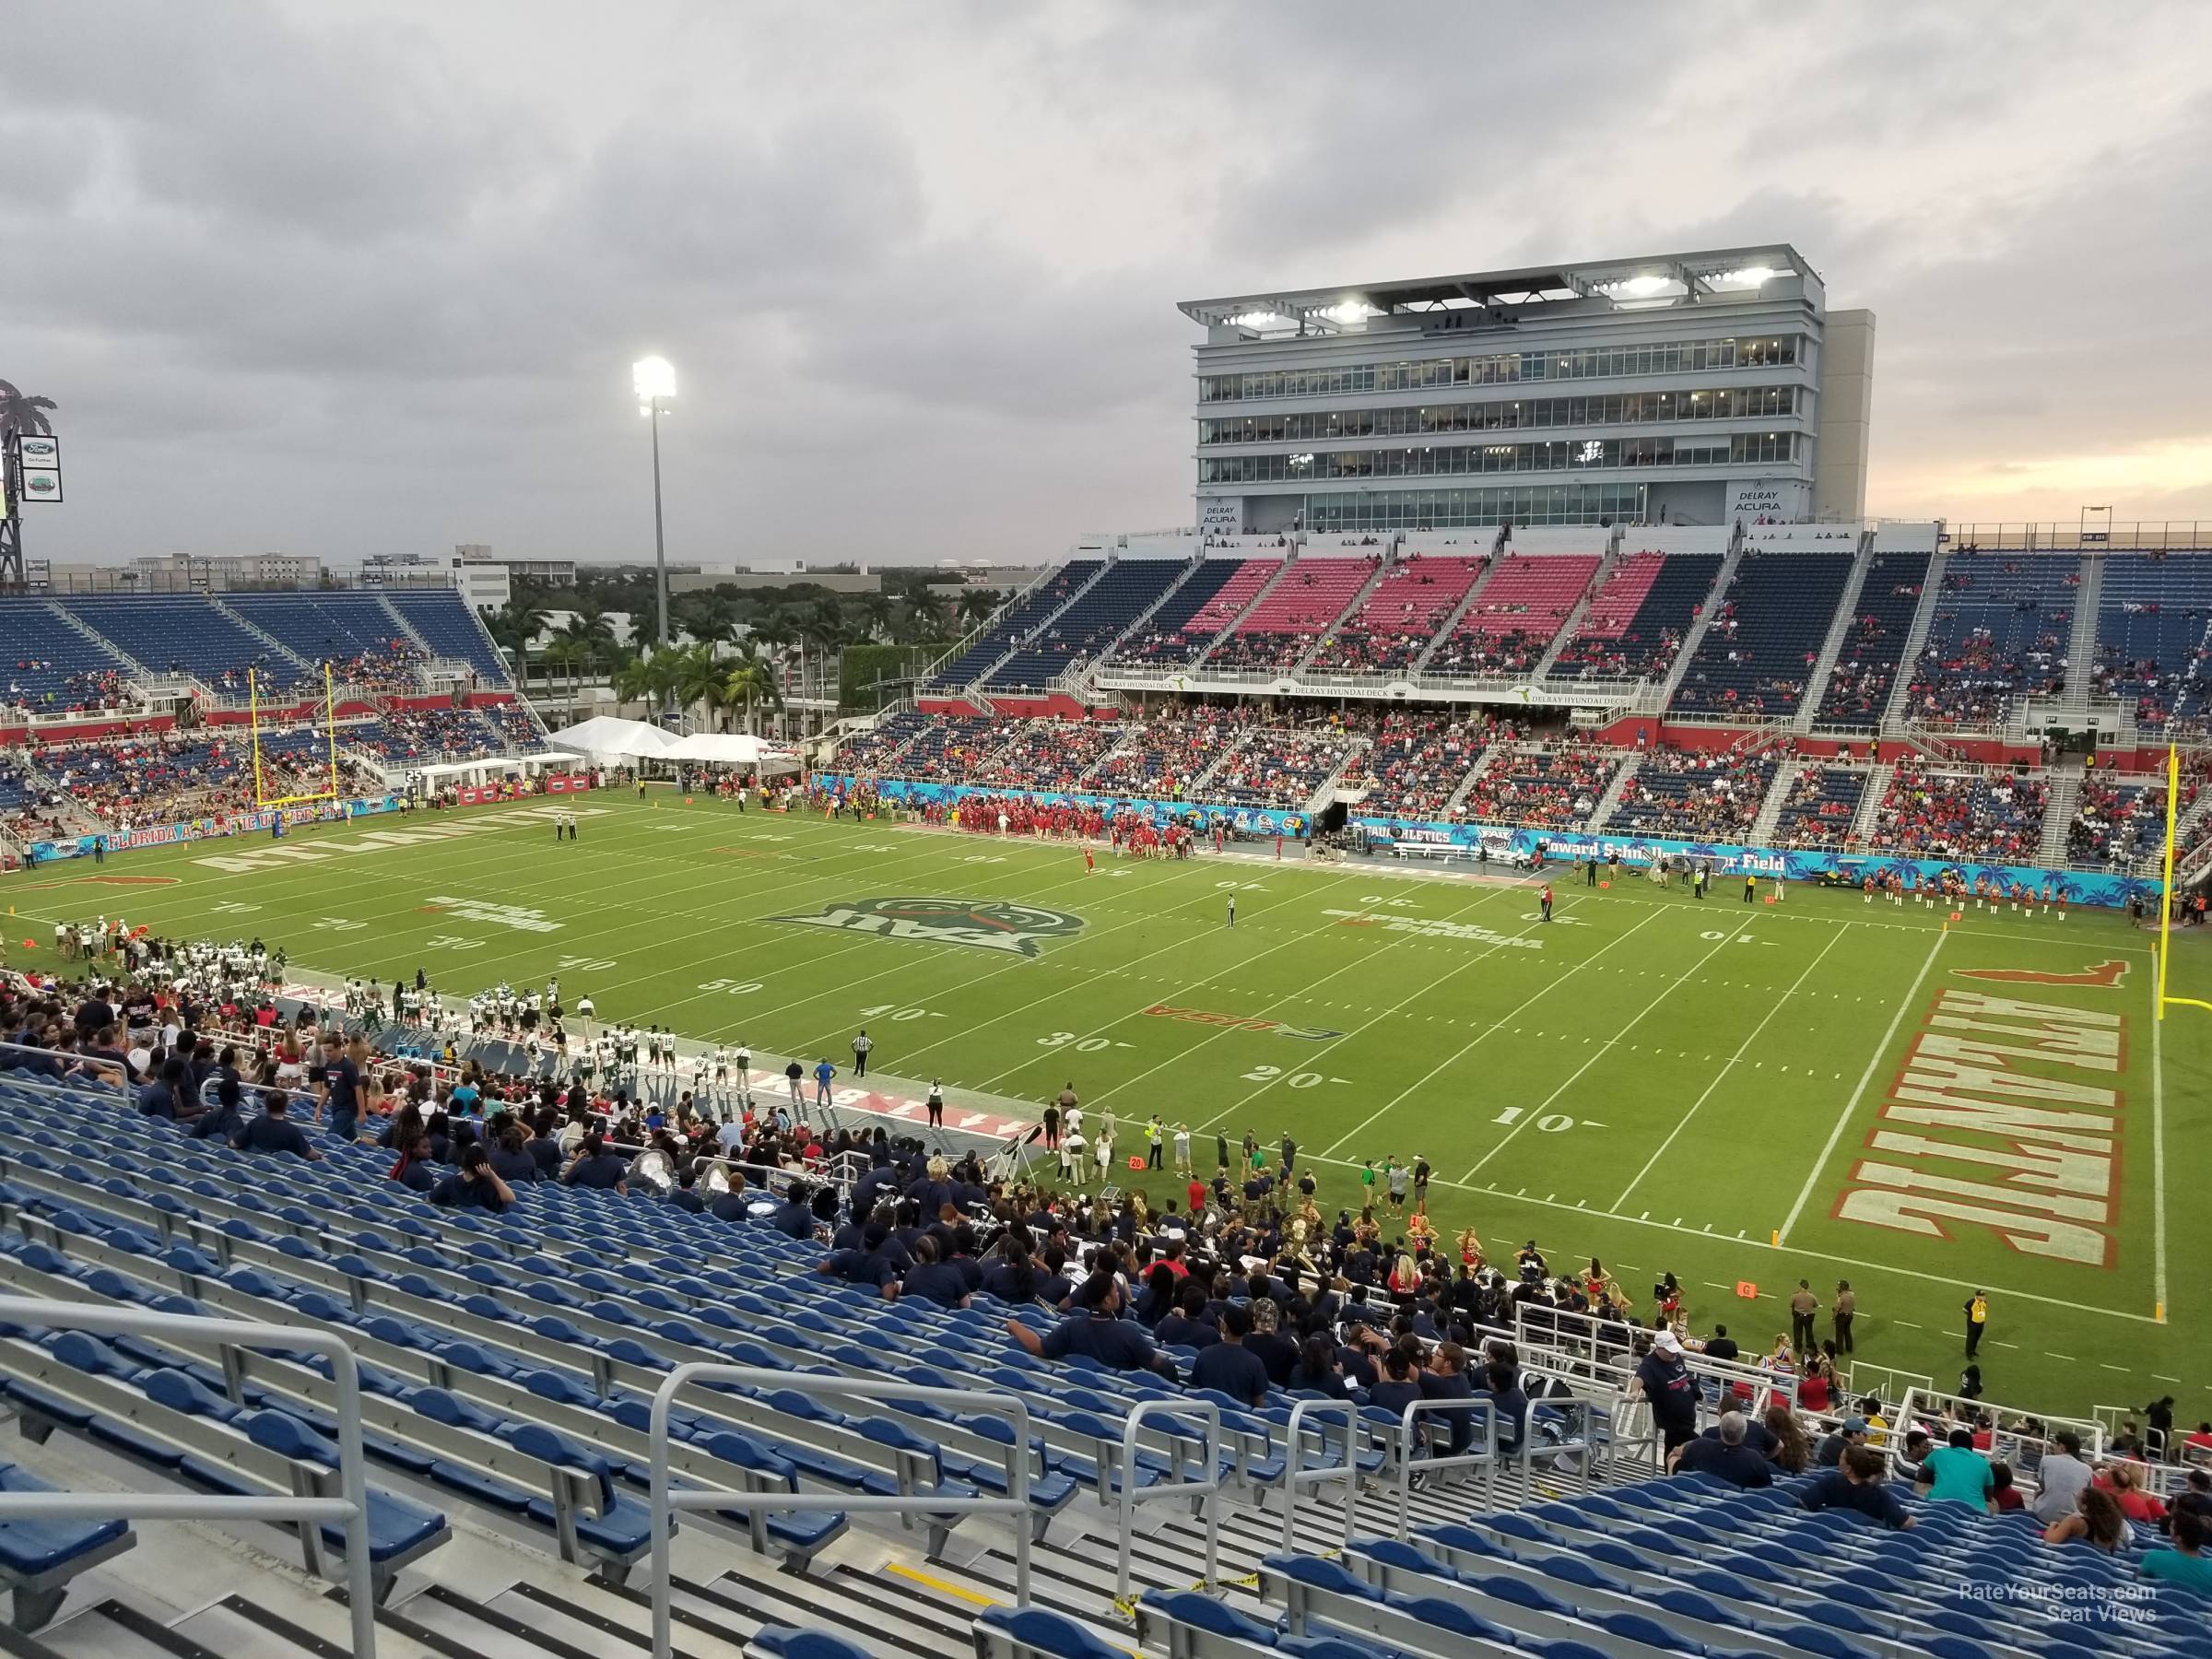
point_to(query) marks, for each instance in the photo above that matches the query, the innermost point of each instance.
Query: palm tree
(697, 680)
(591, 635)
(22, 414)
(638, 679)
(976, 606)
(563, 653)
(878, 612)
(752, 685)
(513, 626)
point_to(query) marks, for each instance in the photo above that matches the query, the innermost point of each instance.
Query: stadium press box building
(1699, 388)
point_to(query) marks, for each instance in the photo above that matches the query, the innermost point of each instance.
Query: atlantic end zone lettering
(420, 832)
(977, 924)
(2006, 1116)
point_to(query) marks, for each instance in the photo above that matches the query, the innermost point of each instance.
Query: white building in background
(1683, 388)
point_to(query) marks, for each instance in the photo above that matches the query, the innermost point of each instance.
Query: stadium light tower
(654, 380)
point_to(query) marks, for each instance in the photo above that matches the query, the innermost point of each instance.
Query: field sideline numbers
(1716, 934)
(893, 1011)
(1268, 1074)
(1082, 1045)
(1555, 1122)
(734, 987)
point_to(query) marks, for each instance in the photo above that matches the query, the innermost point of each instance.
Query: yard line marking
(1414, 995)
(2157, 1152)
(1908, 1325)
(1722, 1075)
(2108, 1365)
(1851, 1107)
(978, 1025)
(1519, 1124)
(1459, 1053)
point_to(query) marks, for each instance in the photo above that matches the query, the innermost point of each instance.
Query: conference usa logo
(980, 923)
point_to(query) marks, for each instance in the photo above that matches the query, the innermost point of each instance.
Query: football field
(1666, 1083)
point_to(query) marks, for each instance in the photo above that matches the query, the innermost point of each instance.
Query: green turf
(1659, 1081)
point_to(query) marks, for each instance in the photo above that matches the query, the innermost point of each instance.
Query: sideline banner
(1563, 846)
(1568, 846)
(212, 827)
(1248, 820)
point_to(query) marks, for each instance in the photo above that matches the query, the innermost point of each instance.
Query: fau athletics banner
(1561, 846)
(1567, 846)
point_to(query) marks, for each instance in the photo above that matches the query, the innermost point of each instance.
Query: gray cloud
(351, 275)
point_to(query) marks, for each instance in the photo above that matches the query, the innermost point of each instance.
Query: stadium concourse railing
(349, 1509)
(1295, 1476)
(667, 1500)
(1208, 1488)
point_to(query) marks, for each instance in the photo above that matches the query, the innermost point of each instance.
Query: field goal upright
(261, 797)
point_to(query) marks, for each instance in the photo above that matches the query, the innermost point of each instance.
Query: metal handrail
(665, 1501)
(350, 1508)
(1409, 1441)
(1348, 1472)
(1210, 1488)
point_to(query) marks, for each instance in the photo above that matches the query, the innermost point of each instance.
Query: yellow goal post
(2173, 801)
(330, 730)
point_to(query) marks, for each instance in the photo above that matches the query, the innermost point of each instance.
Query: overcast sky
(338, 276)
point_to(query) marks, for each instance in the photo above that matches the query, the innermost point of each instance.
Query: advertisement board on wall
(1771, 501)
(1220, 515)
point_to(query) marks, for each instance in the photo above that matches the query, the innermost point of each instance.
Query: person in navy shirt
(223, 1121)
(932, 1280)
(1098, 1331)
(1228, 1366)
(474, 1186)
(273, 1132)
(596, 1167)
(1725, 1456)
(794, 1218)
(340, 1078)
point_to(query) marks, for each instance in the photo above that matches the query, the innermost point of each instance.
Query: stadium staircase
(2071, 707)
(274, 644)
(2064, 780)
(1480, 765)
(1603, 812)
(1198, 664)
(1016, 641)
(970, 640)
(1721, 582)
(1573, 624)
(429, 653)
(1892, 726)
(1351, 609)
(1448, 625)
(100, 639)
(1323, 797)
(1761, 834)
(1847, 613)
(1870, 803)
(1081, 681)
